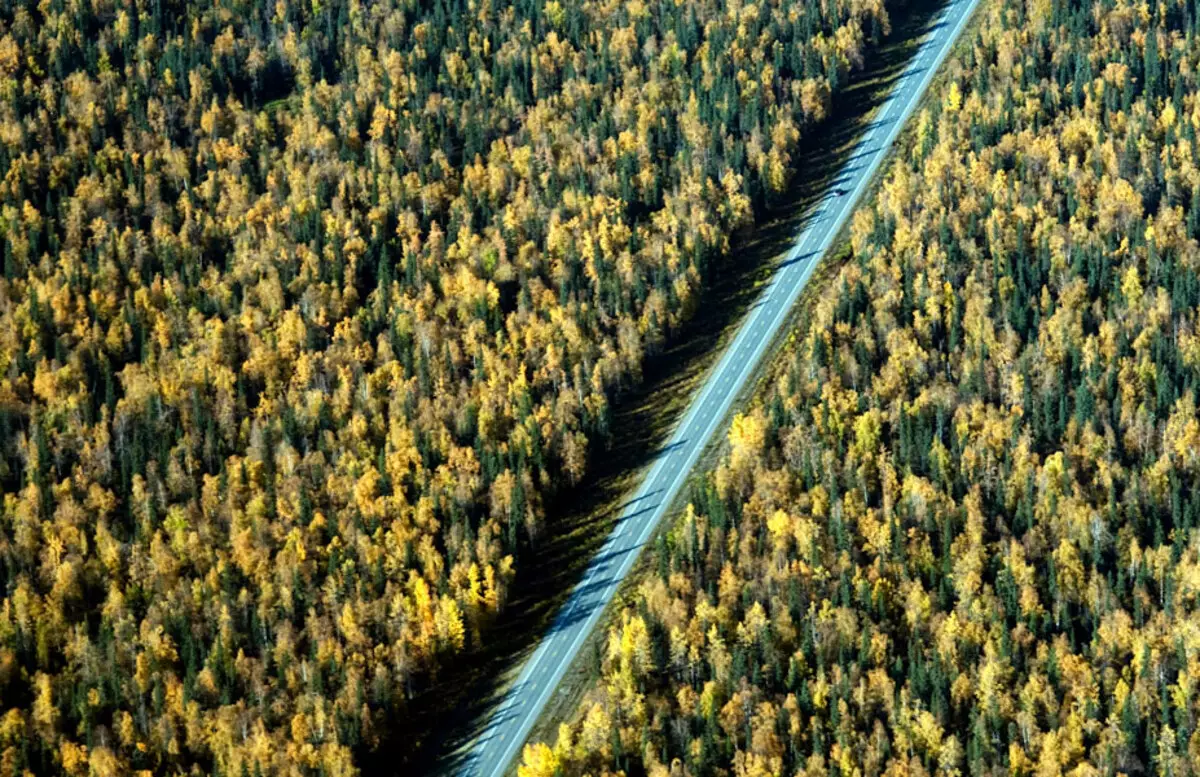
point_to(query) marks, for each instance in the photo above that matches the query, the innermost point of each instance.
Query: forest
(306, 311)
(957, 531)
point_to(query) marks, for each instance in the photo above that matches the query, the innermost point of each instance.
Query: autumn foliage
(307, 307)
(959, 531)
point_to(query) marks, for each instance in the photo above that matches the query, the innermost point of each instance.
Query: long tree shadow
(436, 726)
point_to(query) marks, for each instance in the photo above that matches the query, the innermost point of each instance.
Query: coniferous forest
(958, 530)
(306, 309)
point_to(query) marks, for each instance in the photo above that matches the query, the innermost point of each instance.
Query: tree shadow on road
(444, 718)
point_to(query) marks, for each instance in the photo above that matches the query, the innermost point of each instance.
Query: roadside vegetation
(956, 533)
(308, 309)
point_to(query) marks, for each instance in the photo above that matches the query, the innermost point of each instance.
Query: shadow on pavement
(432, 731)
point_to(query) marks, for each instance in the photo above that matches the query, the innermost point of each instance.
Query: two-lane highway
(492, 753)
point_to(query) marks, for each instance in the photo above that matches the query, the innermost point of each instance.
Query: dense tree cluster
(959, 531)
(305, 309)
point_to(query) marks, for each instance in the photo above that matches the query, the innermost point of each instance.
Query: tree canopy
(305, 310)
(962, 537)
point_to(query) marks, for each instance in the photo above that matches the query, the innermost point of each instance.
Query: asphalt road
(493, 752)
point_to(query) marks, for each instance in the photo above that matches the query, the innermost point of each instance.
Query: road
(499, 744)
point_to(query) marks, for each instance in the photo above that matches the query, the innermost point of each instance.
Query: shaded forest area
(307, 308)
(958, 532)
